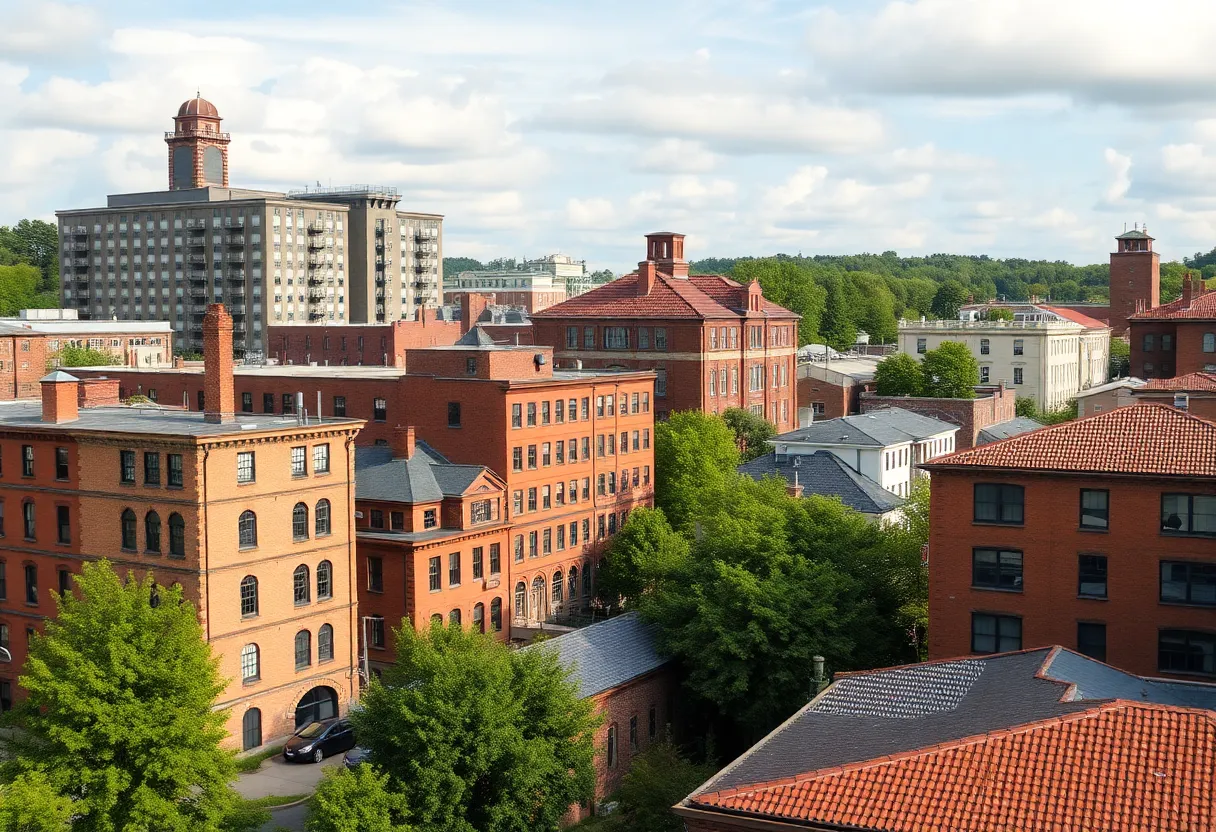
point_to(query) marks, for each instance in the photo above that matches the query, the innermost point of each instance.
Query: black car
(357, 756)
(318, 740)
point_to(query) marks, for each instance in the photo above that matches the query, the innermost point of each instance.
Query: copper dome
(198, 106)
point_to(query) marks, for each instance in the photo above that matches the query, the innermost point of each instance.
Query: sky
(1015, 128)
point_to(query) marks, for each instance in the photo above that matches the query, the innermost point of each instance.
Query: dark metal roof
(426, 477)
(827, 475)
(1003, 430)
(608, 654)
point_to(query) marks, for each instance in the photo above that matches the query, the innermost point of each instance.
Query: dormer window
(480, 512)
(430, 518)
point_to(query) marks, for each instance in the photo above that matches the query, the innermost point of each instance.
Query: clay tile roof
(698, 296)
(1117, 767)
(1202, 307)
(1144, 439)
(1205, 382)
(1077, 317)
(198, 106)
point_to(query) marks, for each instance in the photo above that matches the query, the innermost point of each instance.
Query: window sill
(1190, 604)
(324, 473)
(1093, 530)
(303, 667)
(253, 681)
(377, 591)
(1199, 535)
(246, 482)
(998, 523)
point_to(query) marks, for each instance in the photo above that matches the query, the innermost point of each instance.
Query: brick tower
(666, 249)
(198, 151)
(1135, 277)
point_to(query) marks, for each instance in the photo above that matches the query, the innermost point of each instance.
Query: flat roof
(65, 327)
(355, 373)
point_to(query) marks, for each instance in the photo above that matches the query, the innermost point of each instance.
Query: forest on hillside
(29, 266)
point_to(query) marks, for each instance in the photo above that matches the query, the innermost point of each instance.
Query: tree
(1026, 406)
(657, 779)
(356, 800)
(1120, 357)
(641, 556)
(1000, 313)
(70, 356)
(30, 804)
(752, 432)
(473, 736)
(790, 285)
(694, 455)
(455, 265)
(119, 711)
(949, 297)
(36, 242)
(950, 372)
(837, 328)
(899, 375)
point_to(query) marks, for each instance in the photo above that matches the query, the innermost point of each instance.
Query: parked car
(318, 740)
(356, 757)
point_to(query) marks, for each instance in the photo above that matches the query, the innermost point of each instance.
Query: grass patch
(253, 762)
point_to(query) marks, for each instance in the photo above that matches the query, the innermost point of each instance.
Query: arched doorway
(536, 604)
(318, 704)
(251, 729)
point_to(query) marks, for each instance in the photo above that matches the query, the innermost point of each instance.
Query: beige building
(1046, 353)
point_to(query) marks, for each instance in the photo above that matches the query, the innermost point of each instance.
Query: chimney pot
(403, 442)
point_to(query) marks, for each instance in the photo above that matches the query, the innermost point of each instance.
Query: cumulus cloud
(1121, 180)
(677, 156)
(49, 30)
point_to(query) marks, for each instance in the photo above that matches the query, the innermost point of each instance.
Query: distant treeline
(29, 266)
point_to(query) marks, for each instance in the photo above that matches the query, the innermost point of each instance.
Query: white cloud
(929, 157)
(591, 213)
(44, 29)
(1120, 167)
(677, 156)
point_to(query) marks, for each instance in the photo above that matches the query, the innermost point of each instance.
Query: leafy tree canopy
(899, 374)
(752, 432)
(695, 454)
(641, 555)
(949, 297)
(658, 778)
(950, 372)
(70, 356)
(837, 328)
(1120, 357)
(356, 800)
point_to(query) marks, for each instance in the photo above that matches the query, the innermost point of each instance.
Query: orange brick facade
(22, 362)
(372, 345)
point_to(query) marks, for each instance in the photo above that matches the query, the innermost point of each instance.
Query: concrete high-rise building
(323, 255)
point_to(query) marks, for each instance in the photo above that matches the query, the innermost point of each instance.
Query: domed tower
(198, 151)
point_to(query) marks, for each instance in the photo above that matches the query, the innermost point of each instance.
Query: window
(589, 337)
(532, 499)
(478, 562)
(1209, 342)
(921, 346)
(996, 569)
(1187, 582)
(249, 596)
(126, 465)
(31, 584)
(303, 649)
(151, 468)
(531, 414)
(247, 530)
(325, 644)
(375, 574)
(299, 522)
(339, 405)
(1095, 508)
(995, 633)
(517, 416)
(479, 618)
(61, 463)
(454, 617)
(376, 518)
(128, 529)
(175, 470)
(586, 566)
(547, 541)
(1186, 651)
(321, 518)
(1167, 342)
(616, 338)
(1147, 344)
(247, 402)
(152, 532)
(299, 462)
(1091, 576)
(519, 548)
(531, 457)
(251, 668)
(268, 402)
(454, 569)
(1017, 375)
(611, 746)
(379, 410)
(660, 338)
(320, 459)
(559, 411)
(453, 414)
(299, 585)
(27, 516)
(65, 585)
(985, 375)
(495, 559)
(652, 722)
(496, 615)
(63, 523)
(571, 337)
(633, 734)
(546, 500)
(1091, 640)
(376, 634)
(177, 536)
(1017, 346)
(1188, 514)
(517, 458)
(999, 503)
(430, 518)
(397, 520)
(532, 545)
(433, 573)
(544, 413)
(289, 404)
(245, 467)
(546, 456)
(3, 581)
(984, 346)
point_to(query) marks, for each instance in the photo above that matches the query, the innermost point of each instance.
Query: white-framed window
(245, 471)
(251, 666)
(320, 459)
(299, 461)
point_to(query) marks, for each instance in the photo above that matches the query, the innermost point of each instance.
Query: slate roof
(475, 337)
(697, 296)
(827, 475)
(608, 654)
(1042, 739)
(1202, 307)
(1003, 430)
(1198, 382)
(1143, 439)
(426, 477)
(878, 428)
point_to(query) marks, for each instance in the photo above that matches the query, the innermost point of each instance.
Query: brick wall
(990, 407)
(371, 345)
(836, 400)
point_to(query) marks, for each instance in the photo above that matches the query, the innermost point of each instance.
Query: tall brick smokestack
(219, 396)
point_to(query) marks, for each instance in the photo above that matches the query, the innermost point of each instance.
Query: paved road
(291, 818)
(278, 777)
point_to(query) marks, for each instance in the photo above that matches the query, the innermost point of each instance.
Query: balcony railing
(80, 246)
(197, 259)
(196, 240)
(79, 230)
(961, 326)
(191, 133)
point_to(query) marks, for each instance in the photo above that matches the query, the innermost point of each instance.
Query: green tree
(694, 455)
(658, 778)
(455, 265)
(788, 284)
(30, 804)
(752, 432)
(478, 738)
(36, 242)
(949, 297)
(356, 800)
(70, 356)
(1120, 357)
(837, 327)
(119, 713)
(899, 375)
(950, 372)
(1000, 313)
(1026, 406)
(641, 556)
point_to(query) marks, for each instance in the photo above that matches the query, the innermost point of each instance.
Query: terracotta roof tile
(698, 296)
(1153, 439)
(1118, 767)
(1202, 307)
(1077, 317)
(1191, 381)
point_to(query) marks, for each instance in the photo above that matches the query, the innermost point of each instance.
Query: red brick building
(1135, 279)
(1096, 534)
(1175, 338)
(1194, 392)
(357, 345)
(712, 343)
(991, 406)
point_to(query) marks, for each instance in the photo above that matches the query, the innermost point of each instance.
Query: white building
(1046, 353)
(884, 445)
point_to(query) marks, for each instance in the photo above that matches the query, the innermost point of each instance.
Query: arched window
(27, 516)
(479, 618)
(612, 746)
(325, 580)
(521, 600)
(247, 530)
(1209, 342)
(496, 615)
(128, 529)
(573, 582)
(177, 536)
(152, 532)
(251, 665)
(436, 620)
(299, 522)
(321, 518)
(586, 580)
(249, 596)
(153, 595)
(454, 617)
(558, 584)
(299, 585)
(325, 644)
(303, 649)
(251, 729)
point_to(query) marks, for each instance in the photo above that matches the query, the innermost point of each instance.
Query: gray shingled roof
(878, 428)
(426, 477)
(608, 654)
(475, 337)
(1003, 430)
(827, 475)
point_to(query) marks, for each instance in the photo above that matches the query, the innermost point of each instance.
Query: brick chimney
(59, 398)
(1188, 290)
(750, 296)
(403, 442)
(471, 307)
(647, 272)
(219, 396)
(666, 249)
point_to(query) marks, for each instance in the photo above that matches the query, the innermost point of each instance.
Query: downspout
(206, 547)
(352, 564)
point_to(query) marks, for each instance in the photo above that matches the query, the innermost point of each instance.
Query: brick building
(831, 389)
(712, 343)
(1135, 278)
(1194, 392)
(195, 498)
(355, 345)
(1095, 534)
(990, 407)
(1176, 338)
